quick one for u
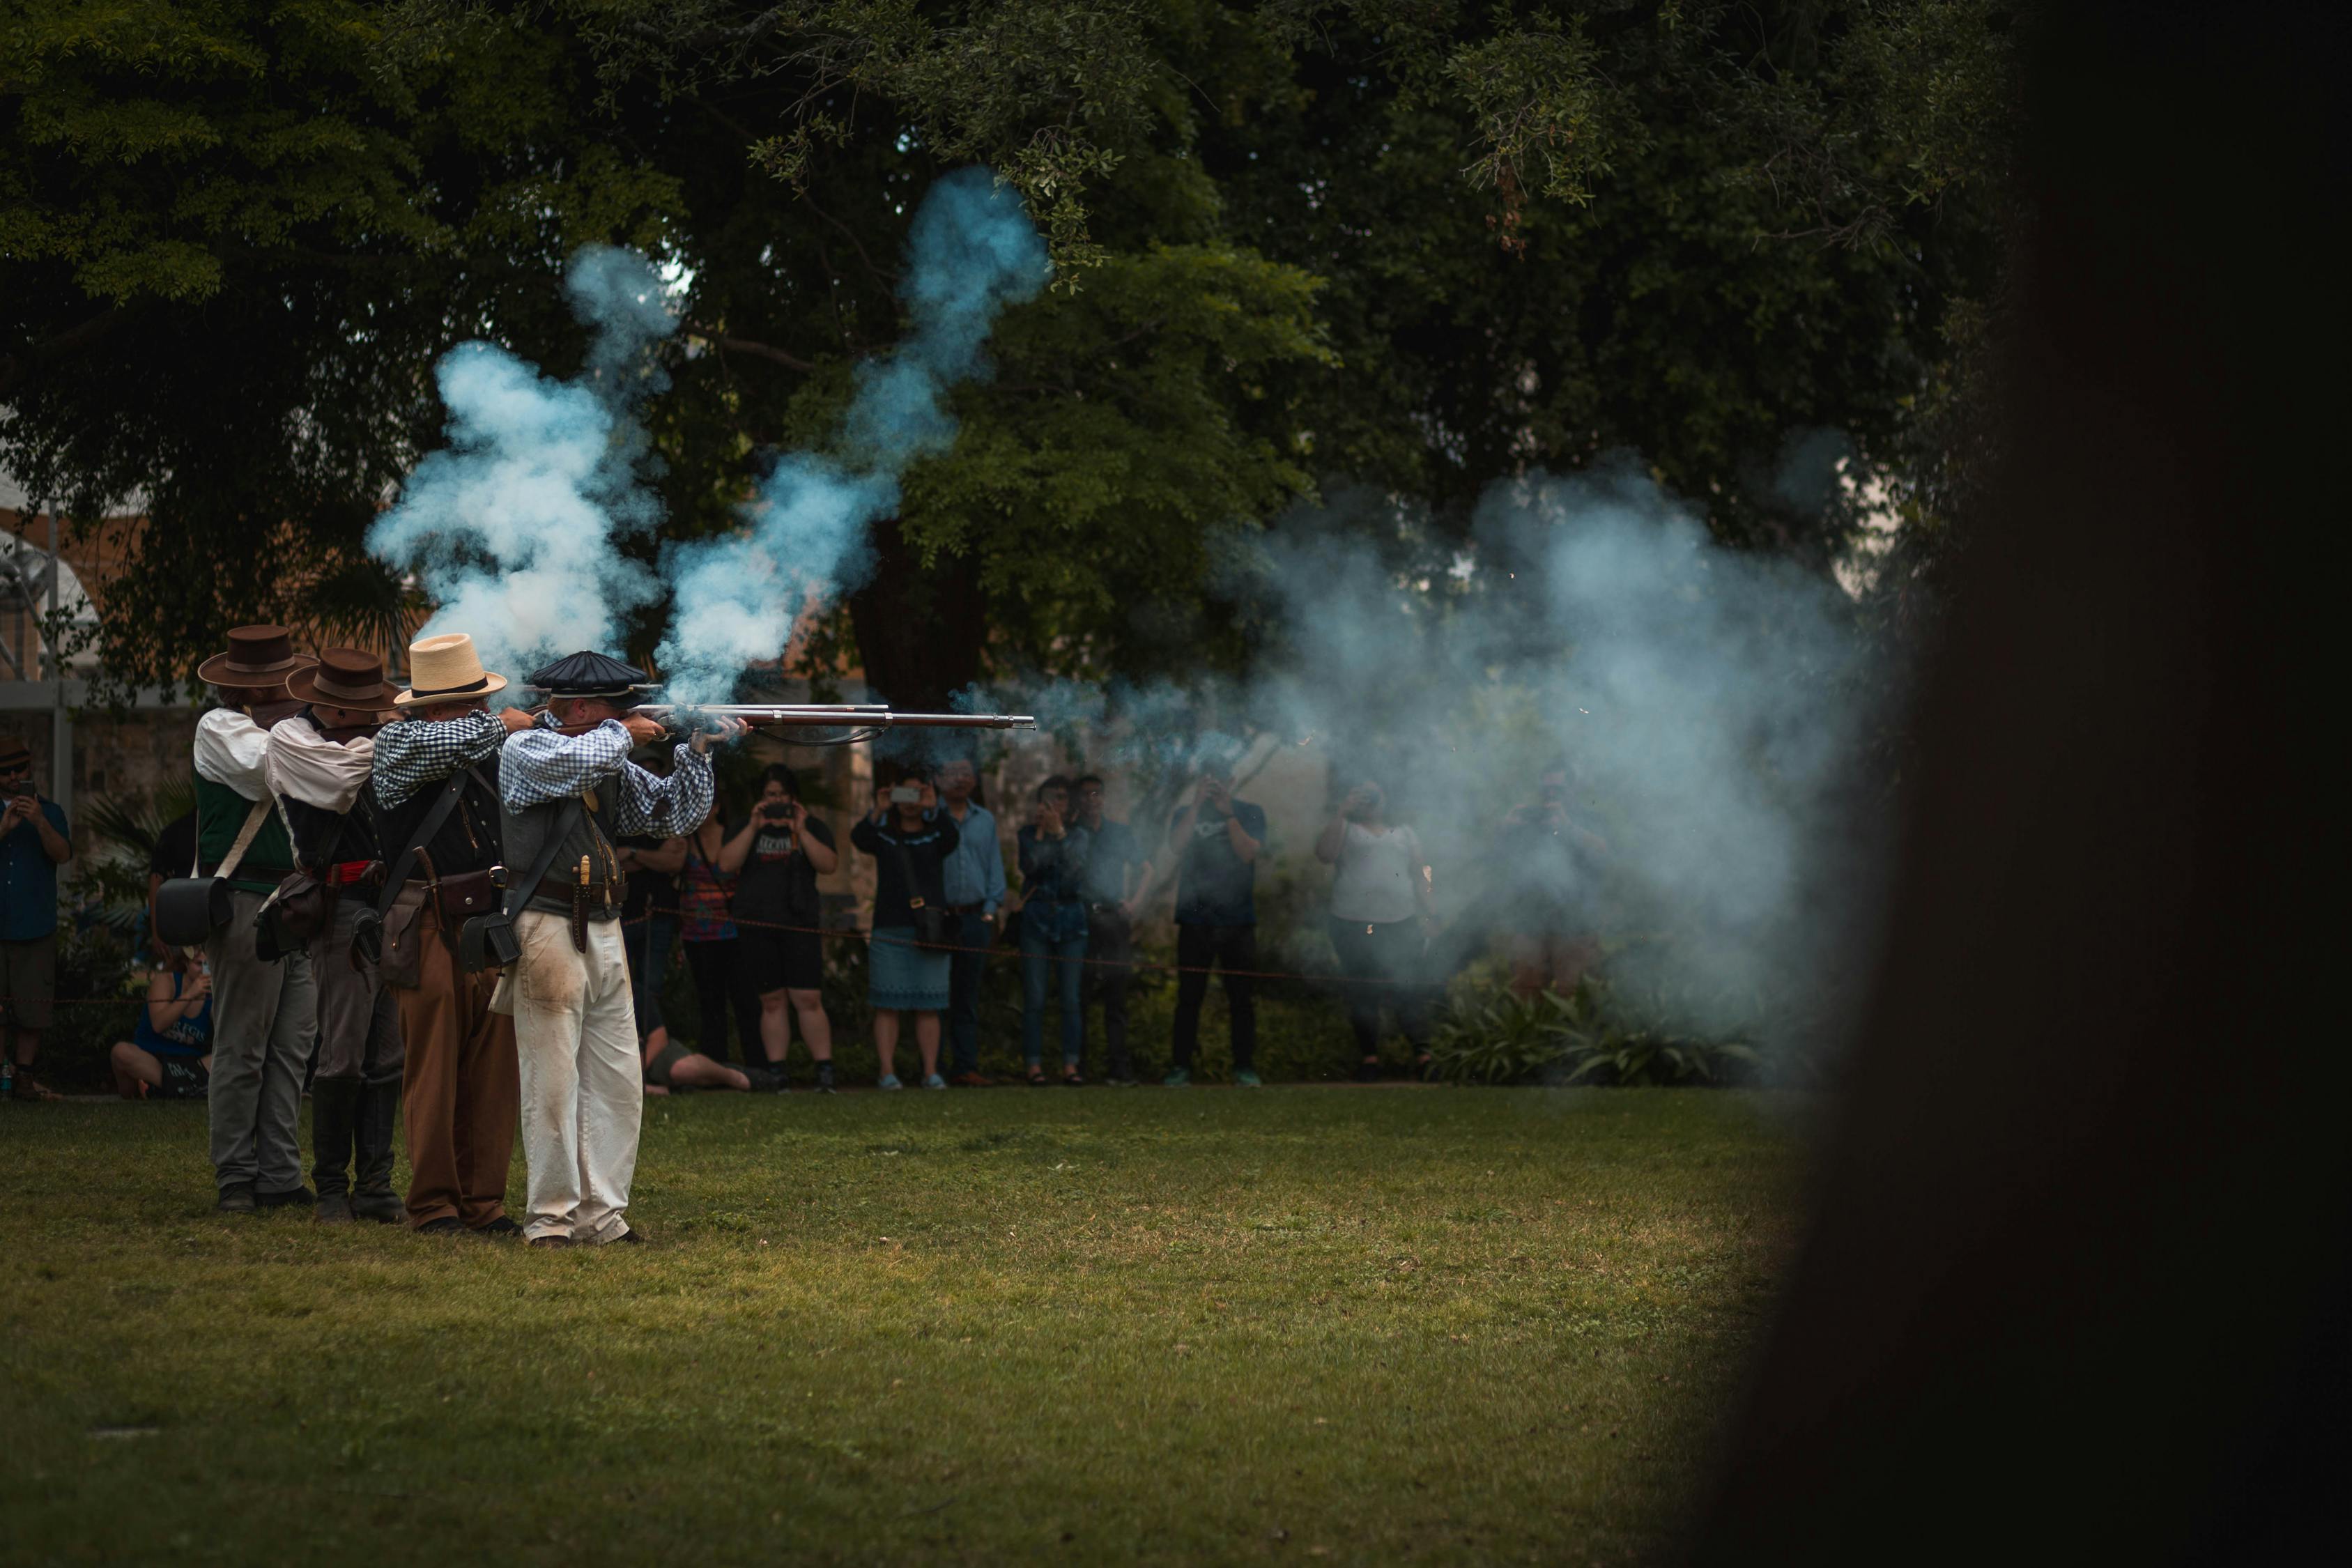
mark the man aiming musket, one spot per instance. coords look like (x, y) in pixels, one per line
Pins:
(569, 790)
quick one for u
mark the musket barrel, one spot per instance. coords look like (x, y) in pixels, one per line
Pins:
(838, 716)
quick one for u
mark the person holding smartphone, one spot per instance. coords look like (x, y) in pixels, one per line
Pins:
(34, 842)
(777, 854)
(1216, 841)
(1054, 851)
(907, 967)
(169, 1056)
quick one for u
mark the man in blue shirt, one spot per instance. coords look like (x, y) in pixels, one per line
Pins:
(1115, 871)
(34, 842)
(975, 889)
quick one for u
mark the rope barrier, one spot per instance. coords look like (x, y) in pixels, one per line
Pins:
(993, 950)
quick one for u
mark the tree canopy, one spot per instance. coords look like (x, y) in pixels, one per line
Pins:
(1412, 244)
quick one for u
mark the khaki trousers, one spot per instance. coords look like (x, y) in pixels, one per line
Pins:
(582, 1087)
(460, 1091)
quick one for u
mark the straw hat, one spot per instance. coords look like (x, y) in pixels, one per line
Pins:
(259, 659)
(343, 678)
(446, 668)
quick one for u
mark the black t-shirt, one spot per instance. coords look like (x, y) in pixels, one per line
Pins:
(923, 852)
(649, 890)
(1215, 886)
(175, 847)
(777, 883)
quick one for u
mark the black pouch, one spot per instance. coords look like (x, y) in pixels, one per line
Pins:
(489, 940)
(190, 909)
(295, 914)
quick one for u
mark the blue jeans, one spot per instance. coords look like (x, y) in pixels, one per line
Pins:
(1043, 955)
(973, 937)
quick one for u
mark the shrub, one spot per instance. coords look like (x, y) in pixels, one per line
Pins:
(1594, 1037)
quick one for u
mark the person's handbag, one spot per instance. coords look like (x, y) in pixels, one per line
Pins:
(930, 920)
(488, 941)
(190, 909)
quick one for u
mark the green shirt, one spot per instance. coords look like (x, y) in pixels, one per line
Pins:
(220, 815)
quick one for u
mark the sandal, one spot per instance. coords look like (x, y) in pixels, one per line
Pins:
(1074, 1079)
(1037, 1076)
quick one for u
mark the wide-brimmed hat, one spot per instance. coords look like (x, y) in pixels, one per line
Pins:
(15, 754)
(343, 678)
(446, 668)
(259, 659)
(588, 674)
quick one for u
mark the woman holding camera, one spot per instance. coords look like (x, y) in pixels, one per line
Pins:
(777, 855)
(1383, 917)
(907, 967)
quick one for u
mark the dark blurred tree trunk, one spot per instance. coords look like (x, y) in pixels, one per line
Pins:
(919, 626)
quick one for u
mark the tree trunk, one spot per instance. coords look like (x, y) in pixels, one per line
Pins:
(919, 628)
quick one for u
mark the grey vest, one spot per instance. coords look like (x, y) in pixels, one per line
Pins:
(524, 836)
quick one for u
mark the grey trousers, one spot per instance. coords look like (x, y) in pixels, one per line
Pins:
(265, 1020)
(359, 1022)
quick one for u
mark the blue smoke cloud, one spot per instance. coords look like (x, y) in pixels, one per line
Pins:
(512, 530)
(970, 252)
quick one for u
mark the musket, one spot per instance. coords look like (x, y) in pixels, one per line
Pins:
(862, 721)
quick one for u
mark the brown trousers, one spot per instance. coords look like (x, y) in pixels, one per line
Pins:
(462, 1091)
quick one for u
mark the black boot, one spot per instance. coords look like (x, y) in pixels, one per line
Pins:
(333, 1105)
(379, 1113)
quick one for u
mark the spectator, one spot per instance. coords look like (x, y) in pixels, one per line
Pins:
(1382, 919)
(169, 1055)
(1052, 929)
(174, 856)
(714, 948)
(1216, 841)
(34, 842)
(669, 1066)
(649, 921)
(975, 893)
(1116, 869)
(1547, 889)
(907, 967)
(780, 851)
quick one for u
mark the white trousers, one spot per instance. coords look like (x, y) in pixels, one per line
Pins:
(583, 1085)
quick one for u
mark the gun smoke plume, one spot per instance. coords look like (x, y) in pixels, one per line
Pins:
(1712, 706)
(516, 530)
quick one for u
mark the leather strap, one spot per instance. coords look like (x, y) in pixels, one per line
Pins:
(398, 875)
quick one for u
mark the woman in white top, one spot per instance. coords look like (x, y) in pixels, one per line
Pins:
(1381, 922)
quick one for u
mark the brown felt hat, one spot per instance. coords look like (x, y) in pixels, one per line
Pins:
(14, 755)
(343, 678)
(259, 659)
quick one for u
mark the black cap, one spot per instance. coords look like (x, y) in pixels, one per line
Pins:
(586, 674)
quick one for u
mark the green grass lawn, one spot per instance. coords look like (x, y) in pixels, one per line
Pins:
(1368, 1326)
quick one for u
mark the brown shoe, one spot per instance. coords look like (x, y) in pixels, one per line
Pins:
(972, 1080)
(550, 1241)
(25, 1086)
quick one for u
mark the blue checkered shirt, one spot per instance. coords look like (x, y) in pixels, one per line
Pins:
(542, 764)
(414, 753)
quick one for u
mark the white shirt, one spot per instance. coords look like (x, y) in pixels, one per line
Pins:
(1373, 880)
(303, 765)
(233, 750)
